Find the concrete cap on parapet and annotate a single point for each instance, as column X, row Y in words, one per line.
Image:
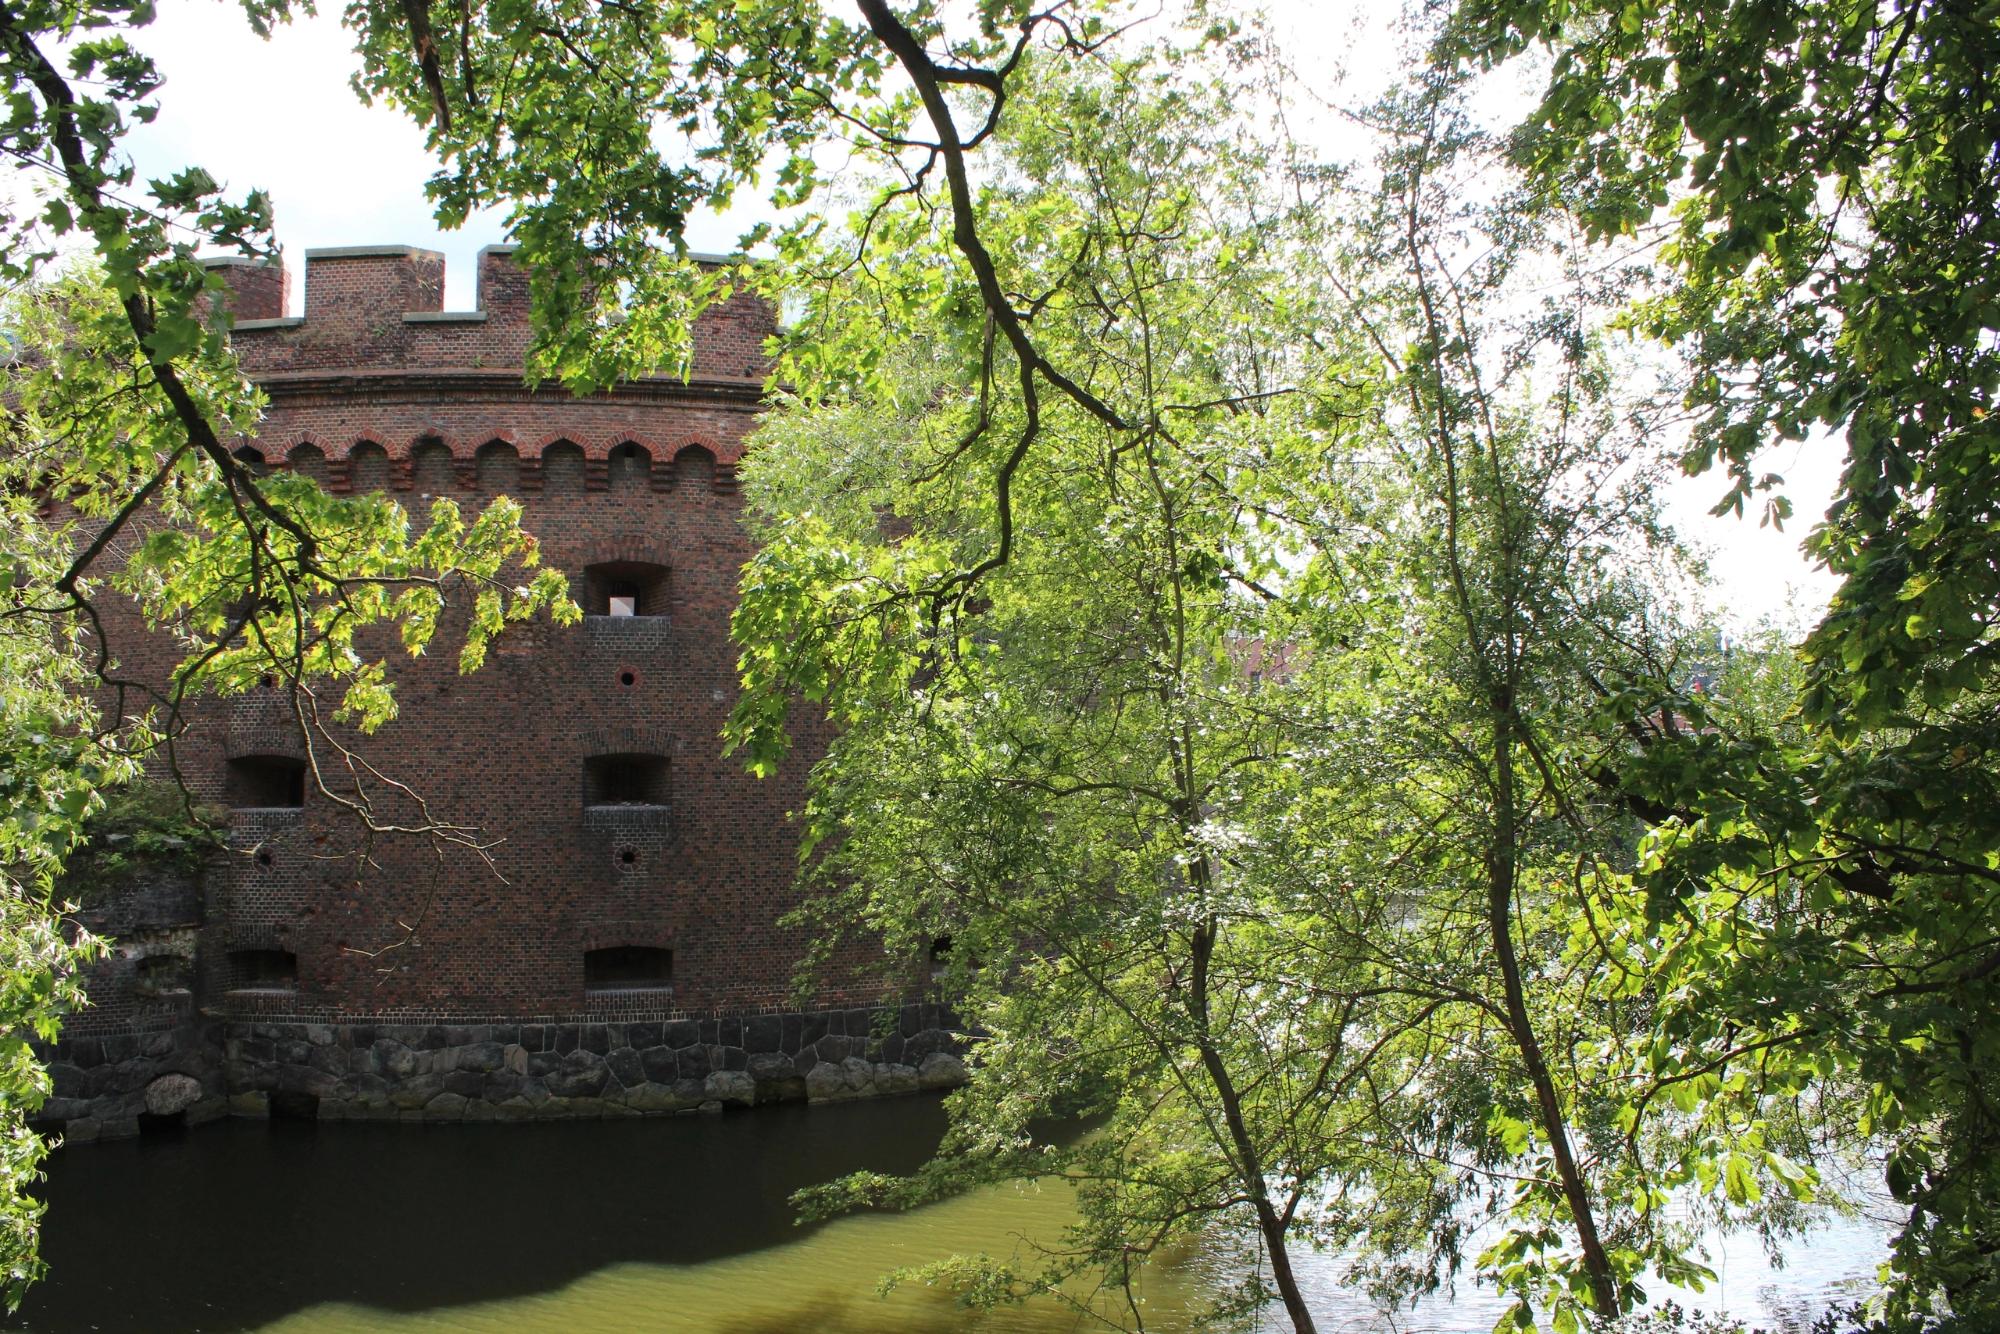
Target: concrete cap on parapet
column 374, row 252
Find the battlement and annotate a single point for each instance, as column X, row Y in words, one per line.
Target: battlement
column 381, row 309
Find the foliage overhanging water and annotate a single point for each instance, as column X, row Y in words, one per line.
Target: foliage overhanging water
column 675, row 1225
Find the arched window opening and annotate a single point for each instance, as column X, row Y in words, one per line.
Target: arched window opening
column 694, row 466
column 623, row 588
column 266, row 782
column 562, row 469
column 430, row 467
column 498, row 466
column 625, row 780
column 308, row 461
column 631, row 463
column 367, row 467
column 940, row 957
column 627, row 968
column 251, row 458
column 263, row 970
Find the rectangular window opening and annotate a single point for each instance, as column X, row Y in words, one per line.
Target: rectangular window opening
column 627, row 968
column 624, row 589
column 266, row 782
column 164, row 975
column 625, row 780
column 263, row 970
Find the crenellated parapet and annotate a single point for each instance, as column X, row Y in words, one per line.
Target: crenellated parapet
column 381, row 308
column 381, row 387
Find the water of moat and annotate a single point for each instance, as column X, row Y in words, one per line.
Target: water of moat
column 658, row 1225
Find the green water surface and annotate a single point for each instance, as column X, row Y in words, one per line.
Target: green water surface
column 678, row 1224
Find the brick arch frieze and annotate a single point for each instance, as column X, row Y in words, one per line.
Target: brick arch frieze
column 437, row 454
column 464, row 445
column 340, row 460
column 665, row 459
column 455, row 445
column 727, row 452
column 606, row 445
column 309, row 459
column 544, row 443
column 623, row 443
column 558, row 443
column 497, row 460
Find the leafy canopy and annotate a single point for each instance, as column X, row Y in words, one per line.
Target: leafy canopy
column 119, row 476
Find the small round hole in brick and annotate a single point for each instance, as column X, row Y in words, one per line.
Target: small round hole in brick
column 628, row 677
column 264, row 857
column 628, row 858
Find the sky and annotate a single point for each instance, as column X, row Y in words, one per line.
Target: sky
column 280, row 115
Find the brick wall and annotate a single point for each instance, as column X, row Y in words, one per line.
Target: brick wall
column 376, row 388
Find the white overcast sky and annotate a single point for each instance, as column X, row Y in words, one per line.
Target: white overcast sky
column 280, row 115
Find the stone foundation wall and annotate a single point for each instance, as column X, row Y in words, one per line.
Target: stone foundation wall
column 497, row 1071
column 104, row 1084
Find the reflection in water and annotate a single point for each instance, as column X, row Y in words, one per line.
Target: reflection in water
column 660, row 1225
column 825, row 1284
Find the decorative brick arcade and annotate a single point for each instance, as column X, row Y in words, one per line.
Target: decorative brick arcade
column 622, row 953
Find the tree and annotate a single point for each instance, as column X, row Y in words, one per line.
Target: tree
column 1822, row 178
column 1257, row 792
column 129, row 405
column 1036, row 761
column 55, row 759
column 1057, row 399
column 117, row 474
column 1520, row 618
column 129, row 402
column 854, row 617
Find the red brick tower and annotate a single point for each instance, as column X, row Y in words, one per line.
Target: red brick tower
column 622, row 952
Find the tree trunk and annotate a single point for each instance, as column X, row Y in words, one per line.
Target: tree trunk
column 1251, row 1167
column 1501, row 870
